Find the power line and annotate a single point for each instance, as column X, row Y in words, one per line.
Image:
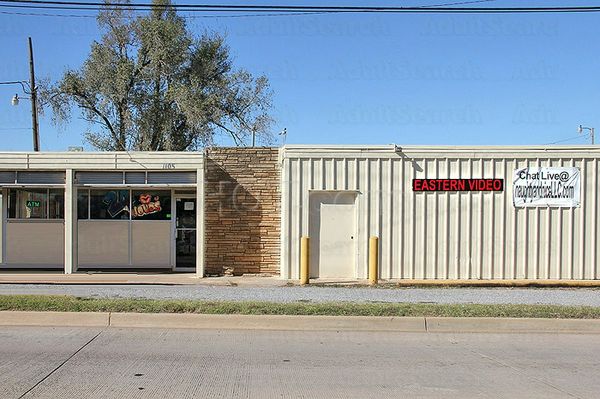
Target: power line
column 215, row 16
column 90, row 5
column 585, row 136
column 33, row 14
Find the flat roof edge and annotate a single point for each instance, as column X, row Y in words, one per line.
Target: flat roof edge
column 461, row 148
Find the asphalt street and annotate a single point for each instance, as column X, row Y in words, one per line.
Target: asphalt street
column 557, row 296
column 63, row 362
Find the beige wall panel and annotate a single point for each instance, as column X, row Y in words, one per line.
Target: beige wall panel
column 151, row 243
column 477, row 235
column 103, row 243
column 35, row 243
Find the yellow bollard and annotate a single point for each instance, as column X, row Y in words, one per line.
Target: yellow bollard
column 304, row 261
column 373, row 260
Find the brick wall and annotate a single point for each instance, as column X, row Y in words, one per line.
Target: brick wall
column 242, row 211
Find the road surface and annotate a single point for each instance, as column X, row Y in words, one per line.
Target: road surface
column 142, row 363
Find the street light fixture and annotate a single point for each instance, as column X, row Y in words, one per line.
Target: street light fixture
column 580, row 130
column 31, row 89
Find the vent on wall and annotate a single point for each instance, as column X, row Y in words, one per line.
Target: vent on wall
column 99, row 178
column 171, row 177
column 135, row 178
column 22, row 177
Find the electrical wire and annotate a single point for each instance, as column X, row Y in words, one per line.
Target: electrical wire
column 585, row 136
column 207, row 16
column 90, row 5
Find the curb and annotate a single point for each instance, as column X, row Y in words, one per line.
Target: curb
column 208, row 282
column 299, row 323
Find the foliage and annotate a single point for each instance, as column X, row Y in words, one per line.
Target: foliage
column 150, row 85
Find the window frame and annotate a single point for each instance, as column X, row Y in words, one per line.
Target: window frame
column 88, row 190
column 46, row 217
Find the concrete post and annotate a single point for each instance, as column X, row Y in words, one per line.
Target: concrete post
column 373, row 260
column 304, row 261
column 70, row 223
column 3, row 202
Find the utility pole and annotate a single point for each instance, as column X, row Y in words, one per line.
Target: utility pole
column 581, row 128
column 34, row 116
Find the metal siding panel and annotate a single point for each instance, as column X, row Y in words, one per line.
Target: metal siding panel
column 421, row 237
column 388, row 220
column 40, row 177
column 286, row 215
column 296, row 218
column 340, row 174
column 351, row 175
column 460, row 235
column 8, row 177
column 364, row 210
column 171, row 177
column 595, row 242
column 587, row 235
column 504, row 203
column 401, row 262
column 304, row 198
column 135, row 177
column 453, row 224
column 99, row 178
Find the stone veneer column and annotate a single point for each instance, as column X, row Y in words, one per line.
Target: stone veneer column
column 242, row 211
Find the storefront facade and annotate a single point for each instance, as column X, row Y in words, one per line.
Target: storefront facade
column 89, row 211
column 459, row 213
column 498, row 213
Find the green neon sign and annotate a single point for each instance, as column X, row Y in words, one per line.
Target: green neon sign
column 33, row 204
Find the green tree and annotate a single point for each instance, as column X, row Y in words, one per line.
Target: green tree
column 150, row 85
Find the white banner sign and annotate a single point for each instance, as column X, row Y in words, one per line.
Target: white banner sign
column 547, row 187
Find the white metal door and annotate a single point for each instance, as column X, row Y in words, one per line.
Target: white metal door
column 333, row 235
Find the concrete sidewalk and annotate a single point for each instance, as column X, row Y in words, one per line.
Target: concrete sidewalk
column 153, row 278
column 100, row 278
column 299, row 323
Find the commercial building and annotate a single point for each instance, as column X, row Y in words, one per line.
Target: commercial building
column 439, row 212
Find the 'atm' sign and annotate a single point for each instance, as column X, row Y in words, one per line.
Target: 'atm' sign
column 458, row 184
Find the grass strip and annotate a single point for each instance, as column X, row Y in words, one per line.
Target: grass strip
column 77, row 304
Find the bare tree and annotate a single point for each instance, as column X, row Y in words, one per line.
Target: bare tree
column 150, row 85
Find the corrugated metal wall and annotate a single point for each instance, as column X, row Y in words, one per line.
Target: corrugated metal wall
column 447, row 235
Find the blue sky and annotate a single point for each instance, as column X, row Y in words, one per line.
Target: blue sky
column 366, row 78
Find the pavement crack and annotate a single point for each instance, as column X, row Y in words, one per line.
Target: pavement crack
column 60, row 365
column 520, row 371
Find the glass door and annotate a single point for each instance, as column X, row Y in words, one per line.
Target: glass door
column 185, row 233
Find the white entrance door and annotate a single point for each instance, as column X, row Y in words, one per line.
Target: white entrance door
column 333, row 235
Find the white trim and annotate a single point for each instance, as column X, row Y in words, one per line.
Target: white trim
column 70, row 209
column 3, row 201
column 284, row 266
column 200, row 222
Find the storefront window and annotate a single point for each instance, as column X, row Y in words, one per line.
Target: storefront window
column 151, row 205
column 39, row 203
column 83, row 204
column 56, row 204
column 109, row 204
